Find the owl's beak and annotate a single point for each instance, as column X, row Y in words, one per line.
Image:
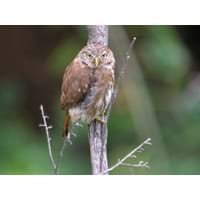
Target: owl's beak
column 96, row 61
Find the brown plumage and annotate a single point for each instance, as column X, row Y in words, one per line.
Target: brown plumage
column 88, row 85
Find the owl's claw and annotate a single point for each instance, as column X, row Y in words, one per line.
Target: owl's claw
column 68, row 139
column 78, row 124
column 102, row 119
column 74, row 134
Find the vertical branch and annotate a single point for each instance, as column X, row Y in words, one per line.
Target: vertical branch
column 98, row 146
column 98, row 34
column 97, row 131
column 46, row 127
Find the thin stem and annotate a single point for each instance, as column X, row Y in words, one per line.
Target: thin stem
column 121, row 161
column 46, row 127
column 61, row 154
column 121, row 74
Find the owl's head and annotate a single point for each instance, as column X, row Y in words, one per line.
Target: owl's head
column 96, row 55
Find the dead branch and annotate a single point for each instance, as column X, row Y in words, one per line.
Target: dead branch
column 97, row 131
column 61, row 154
column 46, row 127
column 131, row 154
column 140, row 164
column 121, row 74
column 66, row 140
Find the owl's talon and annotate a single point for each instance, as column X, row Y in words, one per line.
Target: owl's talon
column 74, row 134
column 101, row 119
column 78, row 124
column 69, row 141
column 68, row 138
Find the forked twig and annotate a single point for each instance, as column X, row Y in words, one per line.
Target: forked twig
column 131, row 154
column 140, row 164
column 66, row 140
column 46, row 127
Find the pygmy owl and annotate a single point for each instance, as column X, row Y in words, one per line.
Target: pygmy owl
column 87, row 85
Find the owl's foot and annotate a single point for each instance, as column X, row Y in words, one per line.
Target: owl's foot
column 74, row 134
column 68, row 139
column 78, row 124
column 102, row 119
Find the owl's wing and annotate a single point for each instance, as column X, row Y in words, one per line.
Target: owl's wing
column 76, row 81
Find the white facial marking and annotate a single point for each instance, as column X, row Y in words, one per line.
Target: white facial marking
column 108, row 66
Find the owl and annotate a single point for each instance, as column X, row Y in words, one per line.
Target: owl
column 87, row 85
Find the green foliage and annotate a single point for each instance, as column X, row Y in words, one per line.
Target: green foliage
column 164, row 54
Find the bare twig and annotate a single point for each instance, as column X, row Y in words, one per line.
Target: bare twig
column 61, row 154
column 46, row 127
column 131, row 154
column 125, row 64
column 140, row 164
column 66, row 140
column 121, row 74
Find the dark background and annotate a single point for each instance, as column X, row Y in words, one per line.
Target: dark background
column 159, row 98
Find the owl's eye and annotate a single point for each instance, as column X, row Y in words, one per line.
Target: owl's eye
column 88, row 55
column 104, row 55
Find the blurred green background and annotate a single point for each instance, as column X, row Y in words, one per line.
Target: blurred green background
column 159, row 98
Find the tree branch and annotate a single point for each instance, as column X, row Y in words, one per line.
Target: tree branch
column 140, row 164
column 121, row 74
column 97, row 131
column 131, row 154
column 61, row 154
column 66, row 140
column 98, row 34
column 46, row 127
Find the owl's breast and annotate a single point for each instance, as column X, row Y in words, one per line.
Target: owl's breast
column 97, row 98
column 95, row 104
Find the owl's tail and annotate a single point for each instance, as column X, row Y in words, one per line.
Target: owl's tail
column 66, row 125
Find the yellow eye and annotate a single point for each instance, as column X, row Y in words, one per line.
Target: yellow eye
column 104, row 55
column 88, row 55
